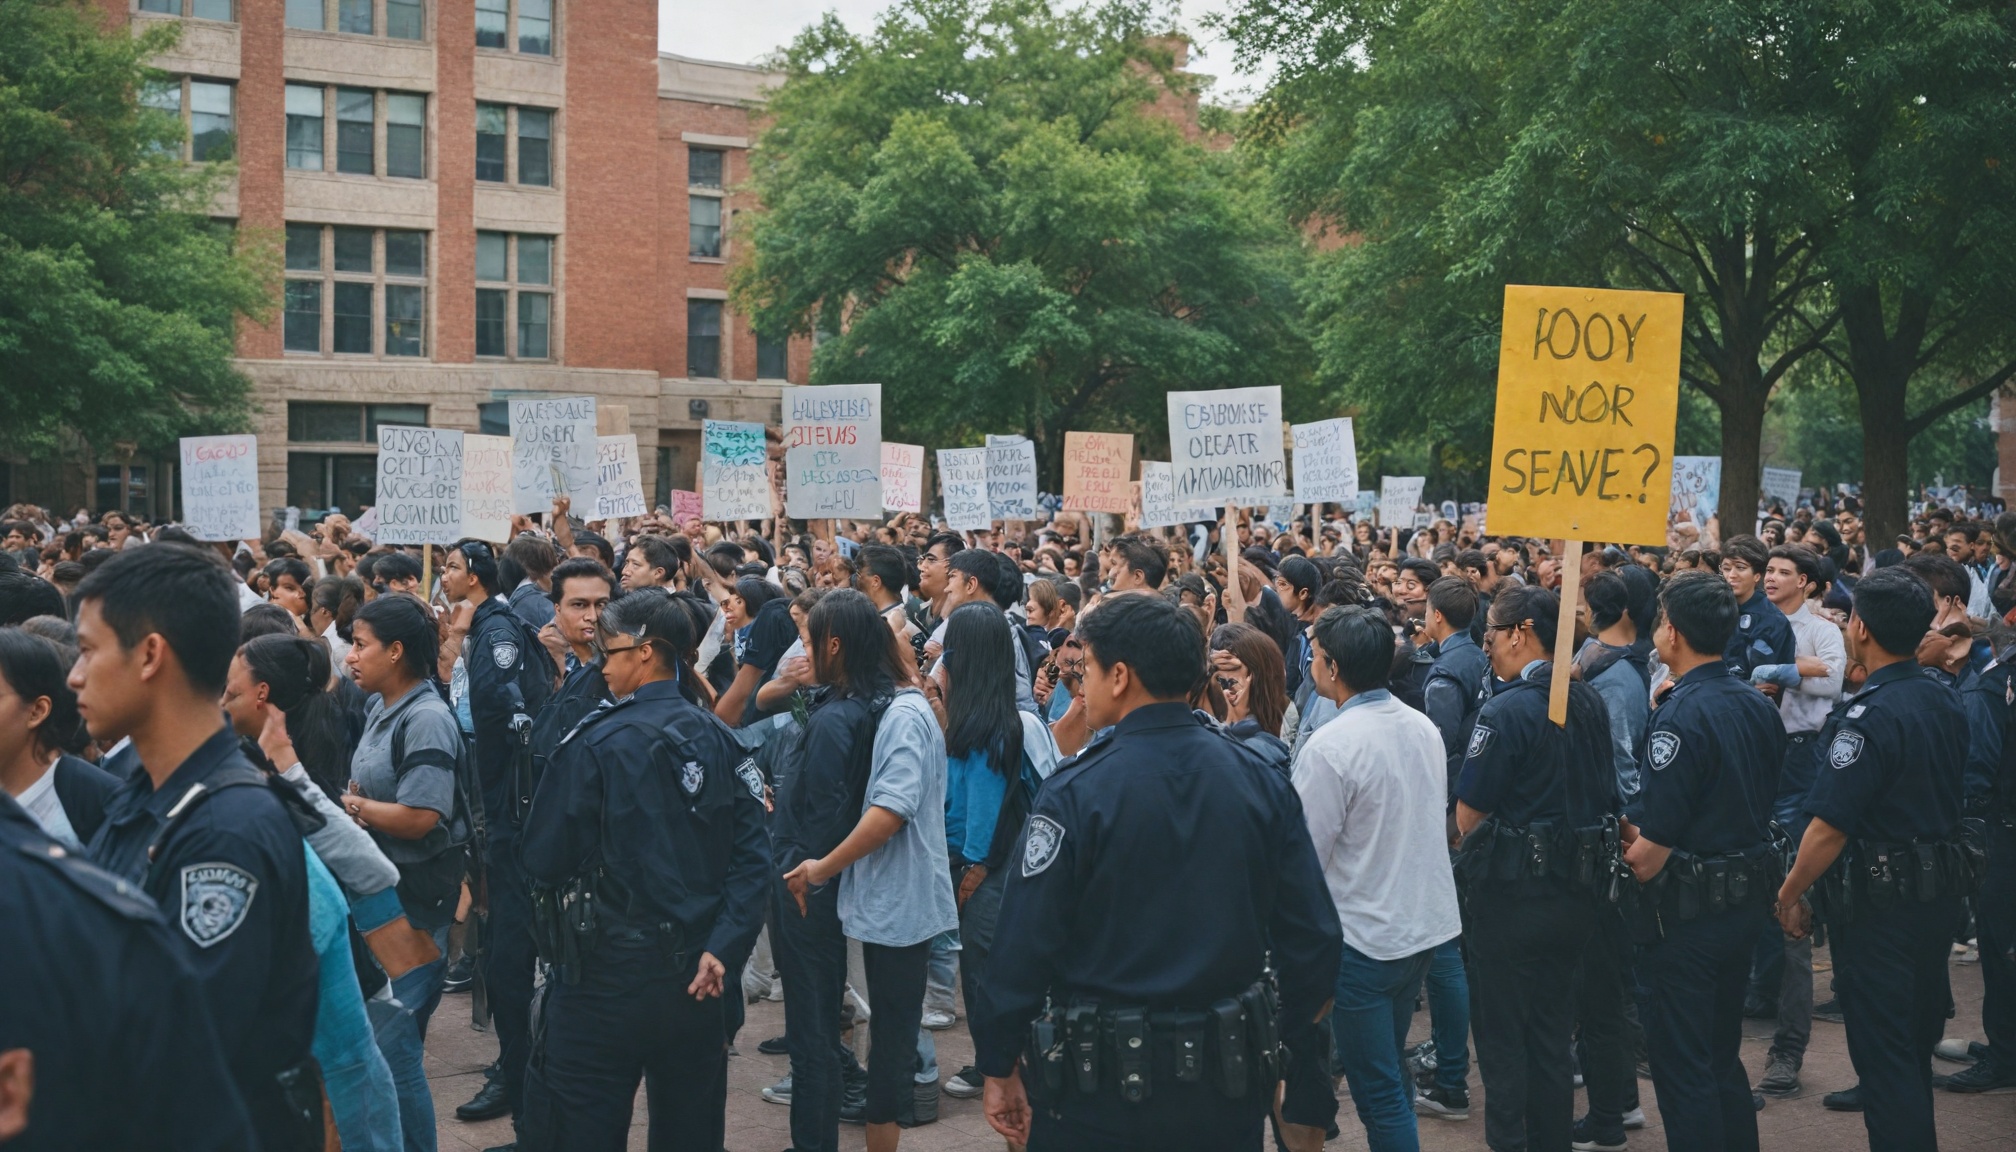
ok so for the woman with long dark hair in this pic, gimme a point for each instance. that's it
(40, 736)
(1248, 668)
(291, 674)
(332, 606)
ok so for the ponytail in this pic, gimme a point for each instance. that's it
(296, 673)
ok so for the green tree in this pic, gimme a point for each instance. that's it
(992, 209)
(118, 295)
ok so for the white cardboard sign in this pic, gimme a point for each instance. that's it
(553, 453)
(220, 487)
(419, 485)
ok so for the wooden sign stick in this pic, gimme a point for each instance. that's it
(1564, 633)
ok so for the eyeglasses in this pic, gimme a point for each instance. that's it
(1490, 628)
(608, 651)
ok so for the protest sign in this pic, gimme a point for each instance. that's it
(1397, 497)
(688, 506)
(1588, 387)
(419, 485)
(962, 473)
(1011, 478)
(1225, 446)
(366, 524)
(1782, 484)
(486, 487)
(733, 485)
(220, 487)
(1326, 462)
(833, 451)
(1365, 505)
(1158, 495)
(1697, 486)
(902, 477)
(611, 419)
(619, 481)
(1096, 468)
(553, 453)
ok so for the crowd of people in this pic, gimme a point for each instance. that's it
(1187, 824)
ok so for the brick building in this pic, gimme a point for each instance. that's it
(479, 199)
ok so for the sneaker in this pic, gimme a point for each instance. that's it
(1984, 1076)
(459, 977)
(1634, 1119)
(1443, 1103)
(965, 1083)
(921, 1108)
(1968, 953)
(1846, 1100)
(854, 1099)
(1830, 1011)
(1587, 1138)
(775, 1046)
(779, 1093)
(1421, 1058)
(937, 1021)
(1960, 1051)
(1781, 1078)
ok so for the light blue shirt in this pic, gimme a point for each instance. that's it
(901, 893)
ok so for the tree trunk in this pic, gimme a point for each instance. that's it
(1744, 398)
(1886, 460)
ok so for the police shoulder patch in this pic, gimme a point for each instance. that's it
(1662, 748)
(504, 653)
(216, 898)
(751, 777)
(1039, 851)
(1743, 622)
(691, 777)
(1845, 750)
(1480, 739)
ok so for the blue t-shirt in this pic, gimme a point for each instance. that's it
(973, 796)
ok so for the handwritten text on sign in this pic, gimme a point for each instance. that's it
(1096, 470)
(833, 451)
(619, 481)
(1158, 495)
(1326, 462)
(902, 477)
(419, 485)
(1225, 446)
(220, 487)
(963, 473)
(733, 485)
(1588, 387)
(1011, 477)
(554, 453)
(486, 487)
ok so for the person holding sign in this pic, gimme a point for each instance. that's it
(1528, 797)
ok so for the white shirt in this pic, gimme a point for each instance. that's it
(339, 648)
(1374, 785)
(247, 597)
(1805, 708)
(46, 807)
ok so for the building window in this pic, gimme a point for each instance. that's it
(704, 227)
(533, 20)
(703, 338)
(405, 135)
(704, 167)
(200, 9)
(210, 128)
(123, 488)
(304, 127)
(509, 266)
(773, 358)
(354, 119)
(315, 423)
(354, 16)
(535, 27)
(362, 274)
(491, 139)
(320, 483)
(399, 19)
(535, 147)
(309, 14)
(405, 20)
(493, 19)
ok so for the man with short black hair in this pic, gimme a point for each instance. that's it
(1895, 753)
(398, 572)
(974, 575)
(1141, 563)
(652, 562)
(208, 836)
(1762, 636)
(532, 599)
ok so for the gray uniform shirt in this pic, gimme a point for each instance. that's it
(429, 742)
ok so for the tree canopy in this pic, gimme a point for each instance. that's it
(118, 294)
(993, 209)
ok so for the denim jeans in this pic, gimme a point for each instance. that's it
(398, 1039)
(1375, 1003)
(1449, 1014)
(941, 979)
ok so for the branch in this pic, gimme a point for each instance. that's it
(1813, 343)
(1957, 401)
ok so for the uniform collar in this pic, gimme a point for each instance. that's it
(209, 757)
(1149, 717)
(658, 690)
(490, 607)
(1901, 670)
(1713, 670)
(1452, 642)
(1531, 668)
(1757, 601)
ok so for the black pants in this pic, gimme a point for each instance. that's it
(630, 1017)
(812, 959)
(896, 996)
(508, 960)
(1177, 1118)
(1890, 974)
(1694, 980)
(1524, 939)
(1603, 992)
(1996, 936)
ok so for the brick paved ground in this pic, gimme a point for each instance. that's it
(457, 1056)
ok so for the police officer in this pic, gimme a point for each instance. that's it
(99, 1007)
(511, 677)
(651, 806)
(1530, 802)
(1698, 835)
(1991, 818)
(1456, 684)
(1884, 846)
(200, 830)
(1762, 635)
(1158, 869)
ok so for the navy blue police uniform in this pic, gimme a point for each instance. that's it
(1526, 918)
(1991, 809)
(1456, 690)
(107, 1008)
(1161, 1034)
(652, 805)
(1891, 781)
(1412, 665)
(1762, 636)
(510, 678)
(218, 846)
(1708, 776)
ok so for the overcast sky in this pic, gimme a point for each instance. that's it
(740, 31)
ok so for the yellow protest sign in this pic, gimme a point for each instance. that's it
(1588, 390)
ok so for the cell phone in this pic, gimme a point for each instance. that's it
(1227, 683)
